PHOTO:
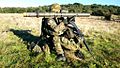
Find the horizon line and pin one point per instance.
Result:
(50, 4)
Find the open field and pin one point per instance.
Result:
(17, 31)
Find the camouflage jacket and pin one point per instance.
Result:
(51, 27)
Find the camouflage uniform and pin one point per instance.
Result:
(55, 29)
(62, 42)
(71, 47)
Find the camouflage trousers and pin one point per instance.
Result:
(62, 46)
(66, 46)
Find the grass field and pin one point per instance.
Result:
(16, 32)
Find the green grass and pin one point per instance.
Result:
(105, 48)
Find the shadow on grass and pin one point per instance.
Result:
(31, 40)
(26, 36)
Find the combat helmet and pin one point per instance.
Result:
(55, 8)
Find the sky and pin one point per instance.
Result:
(36, 3)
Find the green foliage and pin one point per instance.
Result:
(94, 9)
(118, 11)
(107, 14)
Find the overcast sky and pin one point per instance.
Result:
(35, 3)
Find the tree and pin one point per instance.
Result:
(1, 10)
(118, 11)
(87, 9)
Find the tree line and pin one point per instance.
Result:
(94, 9)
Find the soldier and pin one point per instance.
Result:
(58, 28)
(56, 31)
(50, 31)
(61, 36)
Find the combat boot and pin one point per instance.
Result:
(61, 57)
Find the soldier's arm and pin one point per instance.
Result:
(58, 28)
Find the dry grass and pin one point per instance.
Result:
(94, 24)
